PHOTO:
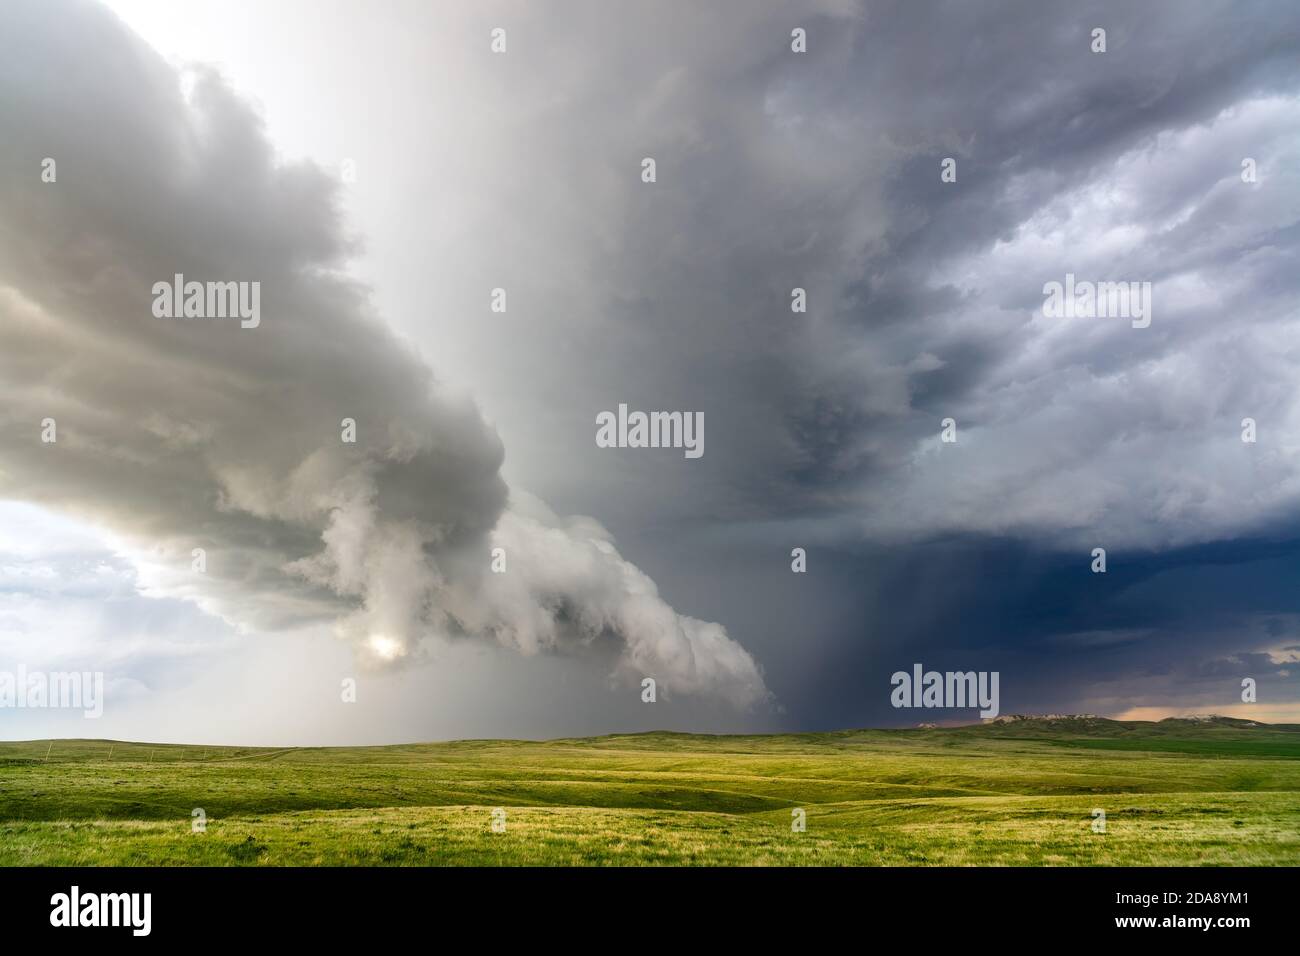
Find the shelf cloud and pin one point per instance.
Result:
(304, 468)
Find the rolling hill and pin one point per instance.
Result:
(1212, 791)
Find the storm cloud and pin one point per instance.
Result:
(821, 171)
(776, 170)
(197, 433)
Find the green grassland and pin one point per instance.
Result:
(1174, 793)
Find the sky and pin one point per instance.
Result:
(922, 171)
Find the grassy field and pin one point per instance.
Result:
(1174, 793)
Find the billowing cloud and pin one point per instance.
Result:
(181, 434)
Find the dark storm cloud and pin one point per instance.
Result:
(1175, 632)
(821, 171)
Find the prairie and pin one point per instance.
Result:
(1173, 793)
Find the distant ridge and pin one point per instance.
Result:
(1093, 719)
(1215, 719)
(1178, 733)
